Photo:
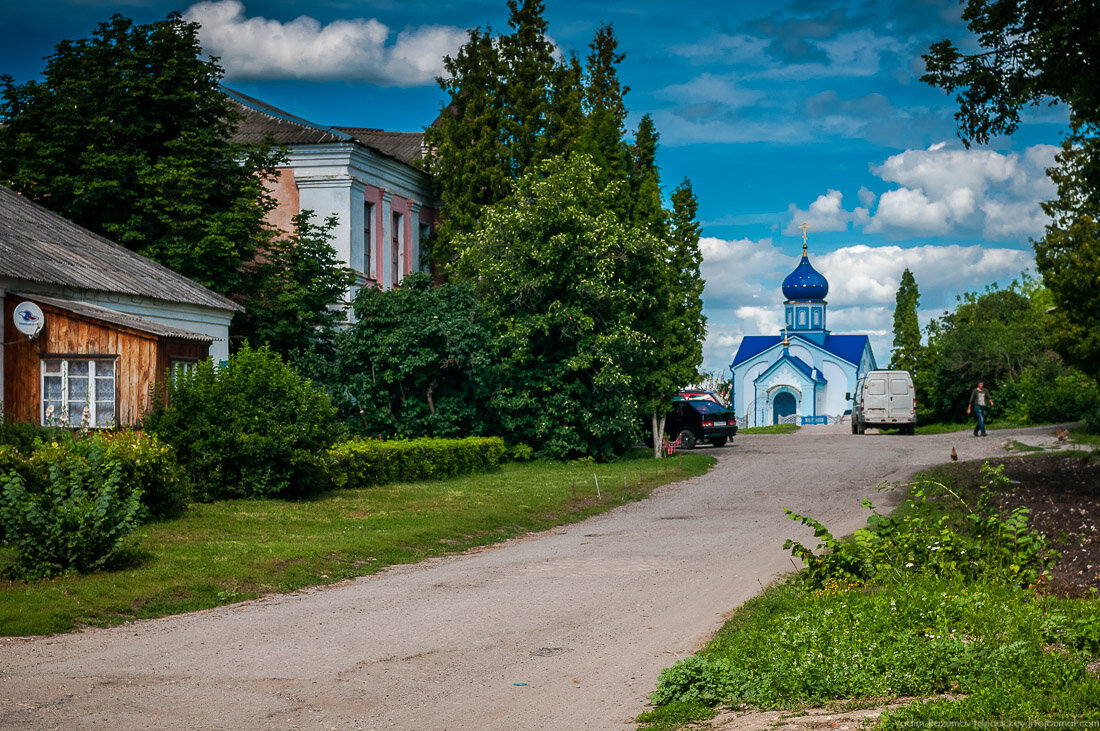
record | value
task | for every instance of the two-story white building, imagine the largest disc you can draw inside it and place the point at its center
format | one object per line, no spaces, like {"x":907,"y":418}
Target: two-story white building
{"x":367,"y":178}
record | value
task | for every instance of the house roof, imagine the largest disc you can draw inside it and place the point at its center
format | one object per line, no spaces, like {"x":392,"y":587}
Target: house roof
{"x":115,"y":317}
{"x":37,"y":245}
{"x":262,"y":119}
{"x":847,"y":347}
{"x":408,"y":147}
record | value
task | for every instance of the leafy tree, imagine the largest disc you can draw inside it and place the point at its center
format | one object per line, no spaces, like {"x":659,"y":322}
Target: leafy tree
{"x":300,"y":283}
{"x":993,"y":337}
{"x":127,"y":134}
{"x":1031,"y":50}
{"x":567,"y":107}
{"x":907,"y":348}
{"x":557,"y":272}
{"x":466,"y":145}
{"x":416,"y":362}
{"x":1069,"y":255}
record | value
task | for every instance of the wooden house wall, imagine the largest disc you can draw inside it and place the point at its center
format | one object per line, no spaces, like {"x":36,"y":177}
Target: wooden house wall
{"x":140,"y":359}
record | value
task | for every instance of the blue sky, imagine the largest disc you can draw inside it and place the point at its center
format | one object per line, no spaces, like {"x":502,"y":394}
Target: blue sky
{"x":779,"y":113}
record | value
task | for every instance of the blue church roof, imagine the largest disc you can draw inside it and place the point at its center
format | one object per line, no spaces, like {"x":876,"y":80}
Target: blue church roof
{"x":846,"y":347}
{"x":805,"y":282}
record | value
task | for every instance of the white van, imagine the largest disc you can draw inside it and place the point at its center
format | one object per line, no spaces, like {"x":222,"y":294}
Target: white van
{"x":884,"y":400}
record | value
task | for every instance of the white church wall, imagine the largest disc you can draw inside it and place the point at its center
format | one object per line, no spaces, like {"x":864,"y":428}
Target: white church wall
{"x":841,"y":380}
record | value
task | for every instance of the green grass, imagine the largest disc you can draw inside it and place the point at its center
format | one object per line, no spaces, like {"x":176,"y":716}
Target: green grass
{"x":229,"y":551}
{"x":983,"y":650}
{"x":771,"y":429}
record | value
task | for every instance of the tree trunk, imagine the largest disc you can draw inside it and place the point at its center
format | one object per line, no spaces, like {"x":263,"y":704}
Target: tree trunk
{"x":658,"y":424}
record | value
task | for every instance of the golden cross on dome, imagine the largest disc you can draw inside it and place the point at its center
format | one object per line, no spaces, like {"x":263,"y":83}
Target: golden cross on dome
{"x":805,"y":227}
{"x":786,"y":340}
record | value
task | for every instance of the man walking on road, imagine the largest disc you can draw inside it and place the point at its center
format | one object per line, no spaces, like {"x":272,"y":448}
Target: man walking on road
{"x":979,"y":399}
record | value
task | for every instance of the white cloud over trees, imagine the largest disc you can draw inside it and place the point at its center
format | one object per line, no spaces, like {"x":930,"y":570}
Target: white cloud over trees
{"x":352,"y":50}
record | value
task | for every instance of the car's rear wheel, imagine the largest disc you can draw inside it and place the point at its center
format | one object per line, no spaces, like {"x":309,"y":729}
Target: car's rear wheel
{"x":687,"y":439}
{"x":719,"y":441}
{"x":855,"y":429}
{"x":861,"y":428}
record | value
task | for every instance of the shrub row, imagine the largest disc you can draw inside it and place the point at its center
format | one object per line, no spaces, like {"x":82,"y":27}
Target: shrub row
{"x":361,"y":462}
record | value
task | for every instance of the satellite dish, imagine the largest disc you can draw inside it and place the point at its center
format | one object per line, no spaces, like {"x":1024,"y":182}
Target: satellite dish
{"x":29,"y":319}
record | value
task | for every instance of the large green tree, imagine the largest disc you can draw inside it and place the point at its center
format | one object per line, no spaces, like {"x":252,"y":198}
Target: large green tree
{"x":416,"y":362}
{"x":127,"y":133}
{"x":994,"y":336}
{"x":559,"y":275}
{"x":907,"y":348}
{"x":1030,"y":51}
{"x":495,"y":124}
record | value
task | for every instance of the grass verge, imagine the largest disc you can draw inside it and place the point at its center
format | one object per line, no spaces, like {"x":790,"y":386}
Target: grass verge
{"x":771,"y":429}
{"x":230,"y":551}
{"x":935,"y":602}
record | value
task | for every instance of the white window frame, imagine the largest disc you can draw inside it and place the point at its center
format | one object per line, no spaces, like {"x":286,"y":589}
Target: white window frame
{"x":96,"y":419}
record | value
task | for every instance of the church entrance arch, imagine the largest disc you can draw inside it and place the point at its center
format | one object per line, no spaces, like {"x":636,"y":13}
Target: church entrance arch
{"x":784,"y":404}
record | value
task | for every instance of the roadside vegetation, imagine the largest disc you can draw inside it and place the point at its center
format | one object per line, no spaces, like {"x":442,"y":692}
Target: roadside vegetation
{"x":948,"y":601}
{"x":231,"y":550}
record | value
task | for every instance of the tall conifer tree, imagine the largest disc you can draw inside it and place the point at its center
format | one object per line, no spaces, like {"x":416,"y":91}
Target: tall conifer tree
{"x":602,"y":139}
{"x":907,"y":348}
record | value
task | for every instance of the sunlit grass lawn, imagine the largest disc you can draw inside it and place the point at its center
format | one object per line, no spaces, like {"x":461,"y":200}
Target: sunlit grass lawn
{"x":230,"y":551}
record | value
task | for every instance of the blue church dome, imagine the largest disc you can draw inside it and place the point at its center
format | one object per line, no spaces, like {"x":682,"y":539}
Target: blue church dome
{"x":805,"y":282}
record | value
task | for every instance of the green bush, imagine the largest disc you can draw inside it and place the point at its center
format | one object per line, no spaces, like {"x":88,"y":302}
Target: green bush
{"x":152,"y":464}
{"x":70,"y":508}
{"x":1092,"y":420}
{"x":23,"y":435}
{"x":252,"y":428}
{"x":365,"y":462}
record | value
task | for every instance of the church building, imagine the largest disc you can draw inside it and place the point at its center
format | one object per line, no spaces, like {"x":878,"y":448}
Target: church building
{"x":803,"y":374}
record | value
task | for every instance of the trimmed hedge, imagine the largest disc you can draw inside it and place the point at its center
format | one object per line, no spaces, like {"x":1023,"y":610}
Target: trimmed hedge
{"x":366,"y":462}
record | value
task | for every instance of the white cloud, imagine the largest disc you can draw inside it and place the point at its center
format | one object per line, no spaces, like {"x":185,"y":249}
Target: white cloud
{"x":354,"y":50}
{"x":825,"y":214}
{"x":946,"y":191}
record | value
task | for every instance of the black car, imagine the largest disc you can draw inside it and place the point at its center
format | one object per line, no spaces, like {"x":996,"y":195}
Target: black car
{"x":700,"y":417}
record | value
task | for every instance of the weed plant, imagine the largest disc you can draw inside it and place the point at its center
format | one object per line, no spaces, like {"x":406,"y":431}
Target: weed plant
{"x":936,"y":602}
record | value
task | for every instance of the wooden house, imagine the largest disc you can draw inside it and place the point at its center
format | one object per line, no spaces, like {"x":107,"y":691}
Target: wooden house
{"x":111,"y":322}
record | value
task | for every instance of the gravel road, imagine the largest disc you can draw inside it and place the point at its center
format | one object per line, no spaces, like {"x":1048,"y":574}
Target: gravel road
{"x":566,"y":629}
